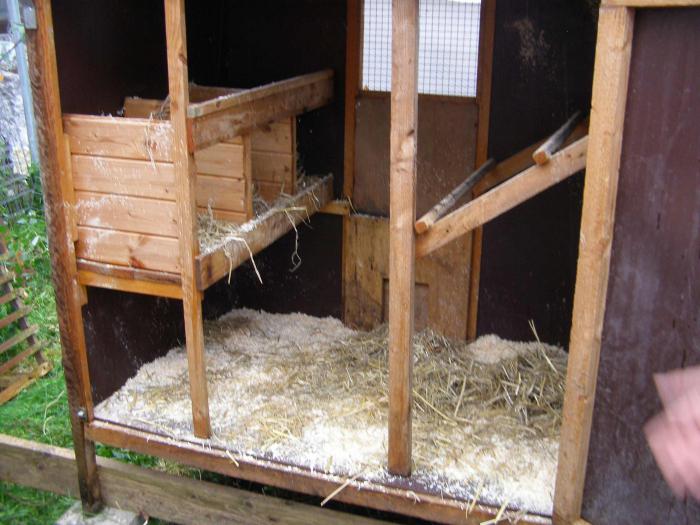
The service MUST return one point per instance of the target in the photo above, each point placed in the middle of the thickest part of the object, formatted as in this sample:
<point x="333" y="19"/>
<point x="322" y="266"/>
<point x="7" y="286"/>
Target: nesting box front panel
<point x="122" y="182"/>
<point x="274" y="159"/>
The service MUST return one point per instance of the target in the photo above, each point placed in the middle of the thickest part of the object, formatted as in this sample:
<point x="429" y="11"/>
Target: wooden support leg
<point x="47" y="107"/>
<point x="183" y="160"/>
<point x="402" y="201"/>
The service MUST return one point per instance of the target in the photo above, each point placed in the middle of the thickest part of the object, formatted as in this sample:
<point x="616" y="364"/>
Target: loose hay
<point x="312" y="392"/>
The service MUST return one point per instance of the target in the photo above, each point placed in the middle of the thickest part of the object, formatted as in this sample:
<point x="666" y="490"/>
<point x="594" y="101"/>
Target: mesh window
<point x="448" y="46"/>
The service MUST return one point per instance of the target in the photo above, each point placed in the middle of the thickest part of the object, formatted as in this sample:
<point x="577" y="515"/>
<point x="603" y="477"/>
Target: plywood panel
<point x="445" y="155"/>
<point x="365" y="270"/>
<point x="121" y="212"/>
<point x="128" y="249"/>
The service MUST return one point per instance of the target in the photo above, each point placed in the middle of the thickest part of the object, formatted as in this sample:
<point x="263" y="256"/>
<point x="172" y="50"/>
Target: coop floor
<point x="310" y="392"/>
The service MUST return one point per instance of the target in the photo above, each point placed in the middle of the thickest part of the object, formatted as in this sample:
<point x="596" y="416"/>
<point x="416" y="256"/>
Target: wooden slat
<point x="131" y="214"/>
<point x="24" y="354"/>
<point x="543" y="154"/>
<point x="6" y="277"/>
<point x="277" y="137"/>
<point x="184" y="161"/>
<point x="137" y="178"/>
<point x="226" y="117"/>
<point x="17" y="338"/>
<point x="433" y="507"/>
<point x="402" y="217"/>
<point x="24" y="380"/>
<point x="172" y="498"/>
<point x="135" y="250"/>
<point x="274" y="167"/>
<point x="225" y="160"/>
<point x="7" y="297"/>
<point x="225" y="215"/>
<point x="214" y="265"/>
<point x="174" y="291"/>
<point x="126" y="138"/>
<point x="505" y="197"/>
<point x="47" y="108"/>
<point x="12" y="317"/>
<point x="221" y="193"/>
<point x="123" y="272"/>
<point x="610" y="82"/>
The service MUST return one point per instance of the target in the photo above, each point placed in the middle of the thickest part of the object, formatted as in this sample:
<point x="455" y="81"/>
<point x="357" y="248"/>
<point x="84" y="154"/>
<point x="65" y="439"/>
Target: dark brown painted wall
<point x="652" y="319"/>
<point x="542" y="72"/>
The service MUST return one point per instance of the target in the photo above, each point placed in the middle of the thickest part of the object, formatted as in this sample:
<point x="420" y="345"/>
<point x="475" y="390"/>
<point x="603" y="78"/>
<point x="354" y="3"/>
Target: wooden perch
<point x="499" y="200"/>
<point x="233" y="114"/>
<point x="442" y="207"/>
<point x="543" y="154"/>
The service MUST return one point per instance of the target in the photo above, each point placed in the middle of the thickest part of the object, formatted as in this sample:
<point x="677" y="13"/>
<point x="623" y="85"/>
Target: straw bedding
<point x="312" y="392"/>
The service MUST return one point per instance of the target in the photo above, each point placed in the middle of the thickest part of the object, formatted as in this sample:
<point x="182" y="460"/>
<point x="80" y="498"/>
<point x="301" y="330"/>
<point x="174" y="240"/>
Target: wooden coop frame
<point x="198" y="125"/>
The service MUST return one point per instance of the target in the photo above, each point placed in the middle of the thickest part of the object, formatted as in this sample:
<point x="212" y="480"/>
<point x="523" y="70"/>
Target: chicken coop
<point x="380" y="253"/>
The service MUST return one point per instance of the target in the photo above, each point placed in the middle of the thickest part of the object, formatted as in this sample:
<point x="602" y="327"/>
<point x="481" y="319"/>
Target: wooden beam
<point x="402" y="217"/>
<point x="505" y="197"/>
<point x="610" y="80"/>
<point x="157" y="494"/>
<point x="487" y="25"/>
<point x="549" y="147"/>
<point x="185" y="177"/>
<point x="353" y="72"/>
<point x="226" y="117"/>
<point x="47" y="108"/>
<point x="447" y="203"/>
<point x="390" y="497"/>
<point x="212" y="266"/>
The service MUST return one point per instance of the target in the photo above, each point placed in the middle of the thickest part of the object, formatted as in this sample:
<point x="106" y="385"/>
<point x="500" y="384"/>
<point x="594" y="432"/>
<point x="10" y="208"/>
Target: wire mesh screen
<point x="448" y="47"/>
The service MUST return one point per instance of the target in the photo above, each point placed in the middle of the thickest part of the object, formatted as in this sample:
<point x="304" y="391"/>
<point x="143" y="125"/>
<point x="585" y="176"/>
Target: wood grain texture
<point x="123" y="272"/>
<point x="445" y="273"/>
<point x="613" y="52"/>
<point x="402" y="216"/>
<point x="47" y="108"/>
<point x="157" y="494"/>
<point x="184" y="163"/>
<point x="543" y="154"/>
<point x="86" y="278"/>
<point x="353" y="53"/>
<point x="396" y="498"/>
<point x="499" y="200"/>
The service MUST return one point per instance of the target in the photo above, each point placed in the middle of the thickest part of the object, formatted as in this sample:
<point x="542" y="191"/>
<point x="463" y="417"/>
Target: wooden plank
<point x="24" y="354"/>
<point x="12" y="317"/>
<point x="86" y="278"/>
<point x="18" y="338"/>
<point x="391" y="498"/>
<point x="125" y="213"/>
<point x="499" y="200"/>
<point x="133" y="250"/>
<point x="543" y="154"/>
<point x="225" y="160"/>
<point x="23" y="381"/>
<point x="6" y="298"/>
<point x="275" y="167"/>
<point x="337" y="207"/>
<point x="157" y="494"/>
<point x="402" y="217"/>
<point x="139" y="139"/>
<point x="277" y="137"/>
<point x="123" y="272"/>
<point x="214" y="265"/>
<point x="137" y="178"/>
<point x="226" y="117"/>
<point x="487" y="23"/>
<point x="184" y="161"/>
<point x="610" y="81"/>
<point x="237" y="217"/>
<point x="135" y="107"/>
<point x="353" y="53"/>
<point x="221" y="193"/>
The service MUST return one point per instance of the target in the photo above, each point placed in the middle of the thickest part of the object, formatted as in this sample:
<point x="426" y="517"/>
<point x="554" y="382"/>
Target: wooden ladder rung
<point x="18" y="338"/>
<point x="14" y="316"/>
<point x="23" y="381"/>
<point x="7" y="297"/>
<point x="24" y="354"/>
<point x="6" y="277"/>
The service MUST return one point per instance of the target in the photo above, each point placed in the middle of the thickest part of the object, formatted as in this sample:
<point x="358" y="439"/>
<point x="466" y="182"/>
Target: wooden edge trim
<point x="153" y="493"/>
<point x="224" y="102"/>
<point x="98" y="280"/>
<point x="126" y="272"/>
<point x="609" y="98"/>
<point x="503" y="198"/>
<point x="357" y="492"/>
<point x="337" y="207"/>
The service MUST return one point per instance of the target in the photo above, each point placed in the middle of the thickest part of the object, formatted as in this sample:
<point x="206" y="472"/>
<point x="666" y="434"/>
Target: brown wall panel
<point x="652" y="318"/>
<point x="446" y="150"/>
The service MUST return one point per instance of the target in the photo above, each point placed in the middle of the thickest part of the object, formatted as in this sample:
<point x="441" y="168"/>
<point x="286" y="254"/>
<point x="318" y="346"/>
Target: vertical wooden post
<point x="487" y="22"/>
<point x="47" y="108"/>
<point x="613" y="52"/>
<point x="402" y="217"/>
<point x="184" y="165"/>
<point x="353" y="52"/>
